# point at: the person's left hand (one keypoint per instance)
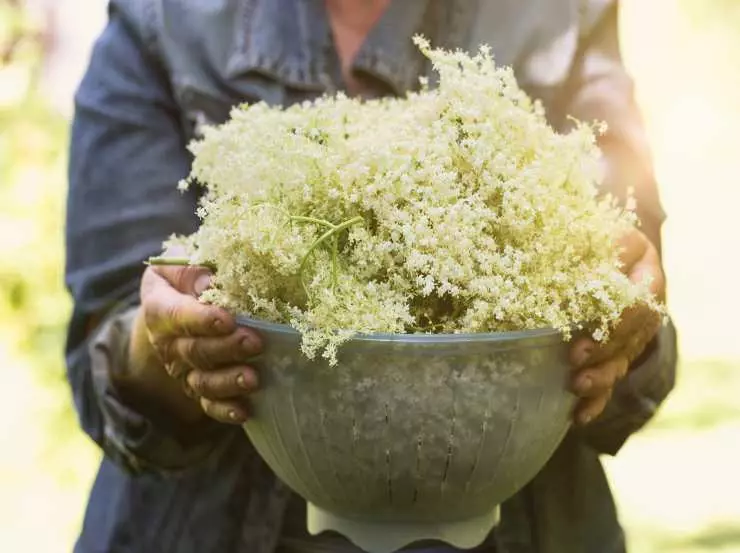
(598, 368)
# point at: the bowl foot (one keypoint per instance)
(387, 537)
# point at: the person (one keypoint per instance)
(161, 381)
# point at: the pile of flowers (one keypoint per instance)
(454, 209)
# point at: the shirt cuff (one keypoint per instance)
(638, 396)
(143, 442)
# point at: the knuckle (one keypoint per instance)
(193, 352)
(158, 342)
(198, 383)
(169, 350)
(171, 315)
(164, 348)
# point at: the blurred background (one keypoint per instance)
(677, 482)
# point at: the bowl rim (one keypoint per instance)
(448, 338)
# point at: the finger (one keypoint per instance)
(170, 313)
(632, 246)
(600, 379)
(633, 322)
(581, 351)
(586, 352)
(213, 352)
(232, 382)
(230, 412)
(588, 409)
(638, 325)
(188, 279)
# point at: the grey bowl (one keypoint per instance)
(410, 437)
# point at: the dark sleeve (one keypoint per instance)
(637, 397)
(127, 155)
(601, 89)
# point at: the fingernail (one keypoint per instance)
(585, 418)
(241, 380)
(202, 283)
(233, 415)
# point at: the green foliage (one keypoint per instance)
(33, 140)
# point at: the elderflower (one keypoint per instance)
(454, 209)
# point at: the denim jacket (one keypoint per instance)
(163, 68)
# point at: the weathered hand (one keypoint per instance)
(199, 346)
(600, 367)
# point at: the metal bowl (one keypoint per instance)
(410, 437)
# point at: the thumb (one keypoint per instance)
(192, 280)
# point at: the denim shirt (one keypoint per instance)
(163, 68)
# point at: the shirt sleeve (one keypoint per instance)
(600, 89)
(637, 397)
(137, 436)
(127, 155)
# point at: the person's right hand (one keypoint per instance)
(186, 350)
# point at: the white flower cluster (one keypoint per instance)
(457, 209)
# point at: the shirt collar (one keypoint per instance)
(390, 55)
(291, 40)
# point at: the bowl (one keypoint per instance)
(410, 436)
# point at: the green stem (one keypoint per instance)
(328, 234)
(177, 261)
(333, 231)
(168, 261)
(302, 219)
(335, 260)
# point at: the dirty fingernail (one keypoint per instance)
(241, 380)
